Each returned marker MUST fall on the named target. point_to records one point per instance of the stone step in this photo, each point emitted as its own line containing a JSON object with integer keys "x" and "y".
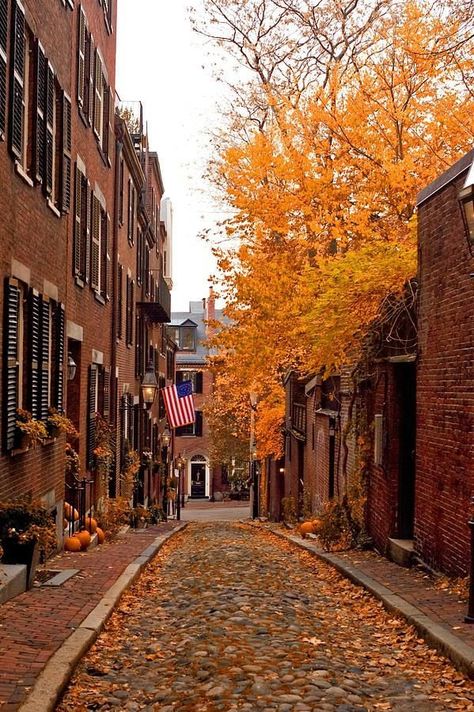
{"x": 401, "y": 551}
{"x": 12, "y": 581}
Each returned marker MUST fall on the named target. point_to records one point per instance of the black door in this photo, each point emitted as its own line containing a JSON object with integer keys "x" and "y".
{"x": 405, "y": 380}
{"x": 198, "y": 479}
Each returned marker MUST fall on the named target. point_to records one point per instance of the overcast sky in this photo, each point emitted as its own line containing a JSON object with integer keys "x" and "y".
{"x": 163, "y": 63}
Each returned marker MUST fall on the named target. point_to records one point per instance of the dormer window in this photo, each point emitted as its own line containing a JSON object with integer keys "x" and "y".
{"x": 187, "y": 338}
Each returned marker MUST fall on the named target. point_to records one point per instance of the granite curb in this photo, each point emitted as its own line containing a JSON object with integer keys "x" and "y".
{"x": 52, "y": 681}
{"x": 460, "y": 653}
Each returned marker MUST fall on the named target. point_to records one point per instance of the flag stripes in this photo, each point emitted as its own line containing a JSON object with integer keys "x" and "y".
{"x": 179, "y": 404}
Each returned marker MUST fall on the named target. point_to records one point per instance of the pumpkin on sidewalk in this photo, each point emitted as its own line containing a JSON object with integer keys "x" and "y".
{"x": 72, "y": 543}
{"x": 84, "y": 538}
{"x": 306, "y": 528}
{"x": 100, "y": 535}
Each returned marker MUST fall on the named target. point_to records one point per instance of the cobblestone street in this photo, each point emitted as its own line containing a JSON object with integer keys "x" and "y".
{"x": 228, "y": 617}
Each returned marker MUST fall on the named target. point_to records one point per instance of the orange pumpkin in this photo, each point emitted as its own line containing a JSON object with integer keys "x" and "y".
{"x": 75, "y": 514}
{"x": 84, "y": 538}
{"x": 306, "y": 528}
{"x": 72, "y": 543}
{"x": 91, "y": 524}
{"x": 317, "y": 524}
{"x": 67, "y": 509}
{"x": 65, "y": 523}
{"x": 100, "y": 535}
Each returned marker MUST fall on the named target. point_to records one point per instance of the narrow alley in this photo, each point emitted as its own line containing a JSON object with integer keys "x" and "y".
{"x": 228, "y": 617}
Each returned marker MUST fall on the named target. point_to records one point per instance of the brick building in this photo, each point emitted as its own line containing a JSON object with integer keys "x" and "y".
{"x": 85, "y": 251}
{"x": 189, "y": 330}
{"x": 445, "y": 376}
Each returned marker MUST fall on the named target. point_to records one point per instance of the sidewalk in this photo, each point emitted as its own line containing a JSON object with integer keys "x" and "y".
{"x": 437, "y": 614}
{"x": 34, "y": 625}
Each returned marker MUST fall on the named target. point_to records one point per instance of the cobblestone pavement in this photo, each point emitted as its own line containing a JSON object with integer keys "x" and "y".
{"x": 227, "y": 617}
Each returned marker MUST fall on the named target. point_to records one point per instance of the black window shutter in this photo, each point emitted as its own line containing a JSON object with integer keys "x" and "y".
{"x": 198, "y": 424}
{"x": 45, "y": 358}
{"x": 104, "y": 254}
{"x": 17, "y": 81}
{"x": 59, "y": 353}
{"x": 90, "y": 79}
{"x": 95, "y": 244}
{"x": 198, "y": 382}
{"x": 78, "y": 223}
{"x": 35, "y": 352}
{"x": 91, "y": 413}
{"x": 119, "y": 300}
{"x": 81, "y": 58}
{"x": 106, "y": 393}
{"x": 12, "y": 308}
{"x": 67, "y": 160}
{"x": 49, "y": 142}
{"x": 3, "y": 63}
{"x": 40, "y": 134}
{"x": 121, "y": 192}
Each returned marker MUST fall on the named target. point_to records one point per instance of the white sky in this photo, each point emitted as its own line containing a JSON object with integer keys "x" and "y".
{"x": 163, "y": 63}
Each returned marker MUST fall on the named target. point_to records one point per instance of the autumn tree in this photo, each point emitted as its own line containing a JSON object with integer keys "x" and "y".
{"x": 360, "y": 106}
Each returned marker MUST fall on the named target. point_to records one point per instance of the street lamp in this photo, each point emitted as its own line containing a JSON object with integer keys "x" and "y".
{"x": 165, "y": 443}
{"x": 466, "y": 200}
{"x": 253, "y": 474}
{"x": 149, "y": 385}
{"x": 71, "y": 368}
{"x": 180, "y": 463}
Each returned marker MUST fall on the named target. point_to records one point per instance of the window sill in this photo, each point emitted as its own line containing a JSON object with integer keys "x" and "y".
{"x": 79, "y": 282}
{"x": 22, "y": 173}
{"x": 99, "y": 298}
{"x": 53, "y": 208}
{"x": 83, "y": 116}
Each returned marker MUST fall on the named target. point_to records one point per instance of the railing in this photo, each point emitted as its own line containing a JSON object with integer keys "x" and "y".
{"x": 79, "y": 496}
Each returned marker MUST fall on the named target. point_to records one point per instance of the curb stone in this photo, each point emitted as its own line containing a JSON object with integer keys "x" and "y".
{"x": 460, "y": 653}
{"x": 58, "y": 671}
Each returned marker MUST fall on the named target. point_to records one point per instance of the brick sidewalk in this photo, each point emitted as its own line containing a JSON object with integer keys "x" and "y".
{"x": 442, "y": 611}
{"x": 418, "y": 588}
{"x": 36, "y": 623}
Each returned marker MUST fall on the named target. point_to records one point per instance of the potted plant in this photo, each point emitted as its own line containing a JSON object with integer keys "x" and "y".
{"x": 27, "y": 534}
{"x": 28, "y": 430}
{"x": 58, "y": 423}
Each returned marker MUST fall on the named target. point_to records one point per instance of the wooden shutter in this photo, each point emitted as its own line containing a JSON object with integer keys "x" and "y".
{"x": 198, "y": 424}
{"x": 45, "y": 358}
{"x": 40, "y": 133}
{"x": 105, "y": 139}
{"x": 3, "y": 63}
{"x": 59, "y": 354}
{"x": 66, "y": 159}
{"x": 35, "y": 353}
{"x": 91, "y": 413}
{"x": 121, "y": 192}
{"x": 198, "y": 382}
{"x": 138, "y": 345}
{"x": 17, "y": 81}
{"x": 90, "y": 80}
{"x": 119, "y": 300}
{"x": 104, "y": 254}
{"x": 77, "y": 262}
{"x": 81, "y": 59}
{"x": 12, "y": 366}
{"x": 95, "y": 245}
{"x": 104, "y": 392}
{"x": 49, "y": 142}
{"x": 98, "y": 96}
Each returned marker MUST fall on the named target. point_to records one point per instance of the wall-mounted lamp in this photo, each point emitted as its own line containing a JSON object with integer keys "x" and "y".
{"x": 466, "y": 200}
{"x": 149, "y": 385}
{"x": 71, "y": 368}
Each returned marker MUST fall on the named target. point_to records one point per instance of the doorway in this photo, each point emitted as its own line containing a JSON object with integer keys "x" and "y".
{"x": 198, "y": 479}
{"x": 405, "y": 384}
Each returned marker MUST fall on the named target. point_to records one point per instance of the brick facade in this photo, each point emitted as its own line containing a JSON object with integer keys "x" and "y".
{"x": 445, "y": 410}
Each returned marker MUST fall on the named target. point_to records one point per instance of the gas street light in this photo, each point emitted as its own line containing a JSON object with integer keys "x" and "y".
{"x": 149, "y": 385}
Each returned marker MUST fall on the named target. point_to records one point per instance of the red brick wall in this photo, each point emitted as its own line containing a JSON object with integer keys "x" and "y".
{"x": 445, "y": 410}
{"x": 35, "y": 236}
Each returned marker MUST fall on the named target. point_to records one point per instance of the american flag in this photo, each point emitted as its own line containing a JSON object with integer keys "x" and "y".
{"x": 179, "y": 404}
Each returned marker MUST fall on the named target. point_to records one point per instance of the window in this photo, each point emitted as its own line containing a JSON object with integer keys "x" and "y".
{"x": 187, "y": 338}
{"x": 194, "y": 376}
{"x": 98, "y": 96}
{"x": 194, "y": 429}
{"x": 34, "y": 355}
{"x": 121, "y": 192}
